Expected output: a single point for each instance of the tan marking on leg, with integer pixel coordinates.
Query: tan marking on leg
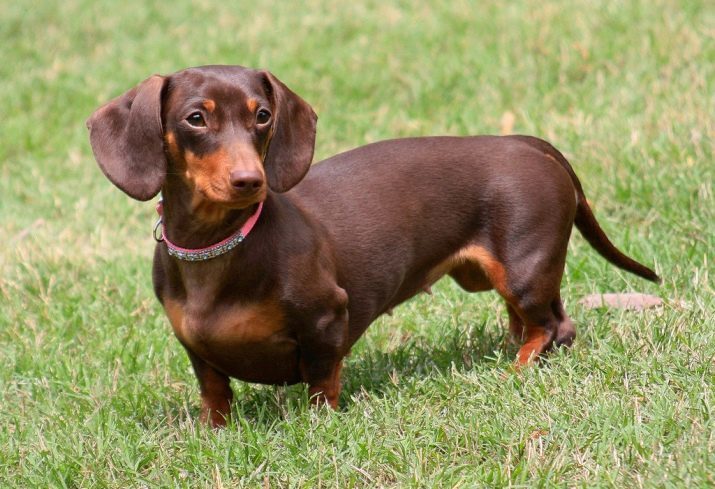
(439, 271)
(471, 277)
(216, 394)
(492, 267)
(459, 266)
(326, 392)
(216, 399)
(536, 343)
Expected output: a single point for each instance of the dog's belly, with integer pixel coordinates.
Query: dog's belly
(472, 267)
(248, 342)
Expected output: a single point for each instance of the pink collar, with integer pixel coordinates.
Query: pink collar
(209, 252)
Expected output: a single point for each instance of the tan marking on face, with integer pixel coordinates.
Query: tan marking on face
(208, 176)
(171, 146)
(207, 172)
(210, 173)
(252, 104)
(209, 105)
(206, 166)
(209, 212)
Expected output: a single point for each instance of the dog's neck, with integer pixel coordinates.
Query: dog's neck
(197, 224)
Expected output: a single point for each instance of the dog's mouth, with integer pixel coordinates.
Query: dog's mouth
(230, 197)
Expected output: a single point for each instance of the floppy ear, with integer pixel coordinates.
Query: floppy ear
(126, 138)
(291, 148)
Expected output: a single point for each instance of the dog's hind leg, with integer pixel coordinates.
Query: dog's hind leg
(516, 325)
(538, 309)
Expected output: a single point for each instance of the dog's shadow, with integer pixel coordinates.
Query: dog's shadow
(378, 372)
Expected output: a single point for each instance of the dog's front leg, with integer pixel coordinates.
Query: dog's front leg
(323, 379)
(322, 349)
(216, 394)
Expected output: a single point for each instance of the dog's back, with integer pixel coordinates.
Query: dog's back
(397, 209)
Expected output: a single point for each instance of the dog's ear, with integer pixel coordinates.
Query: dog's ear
(290, 150)
(126, 138)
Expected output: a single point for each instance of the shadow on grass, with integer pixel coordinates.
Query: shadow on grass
(420, 357)
(374, 371)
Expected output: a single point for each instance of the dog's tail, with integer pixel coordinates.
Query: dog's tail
(586, 222)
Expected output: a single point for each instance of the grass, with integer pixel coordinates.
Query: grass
(96, 392)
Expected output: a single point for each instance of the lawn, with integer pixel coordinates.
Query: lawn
(96, 392)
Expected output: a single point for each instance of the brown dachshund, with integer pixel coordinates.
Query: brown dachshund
(269, 281)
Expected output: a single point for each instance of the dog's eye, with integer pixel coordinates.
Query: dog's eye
(263, 116)
(196, 120)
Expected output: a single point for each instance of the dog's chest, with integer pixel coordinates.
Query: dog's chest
(248, 341)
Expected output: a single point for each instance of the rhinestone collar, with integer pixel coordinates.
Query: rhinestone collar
(201, 254)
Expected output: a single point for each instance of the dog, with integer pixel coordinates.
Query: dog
(269, 272)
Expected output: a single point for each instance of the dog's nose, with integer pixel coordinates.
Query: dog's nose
(246, 180)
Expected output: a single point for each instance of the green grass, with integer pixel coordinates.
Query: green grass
(96, 392)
